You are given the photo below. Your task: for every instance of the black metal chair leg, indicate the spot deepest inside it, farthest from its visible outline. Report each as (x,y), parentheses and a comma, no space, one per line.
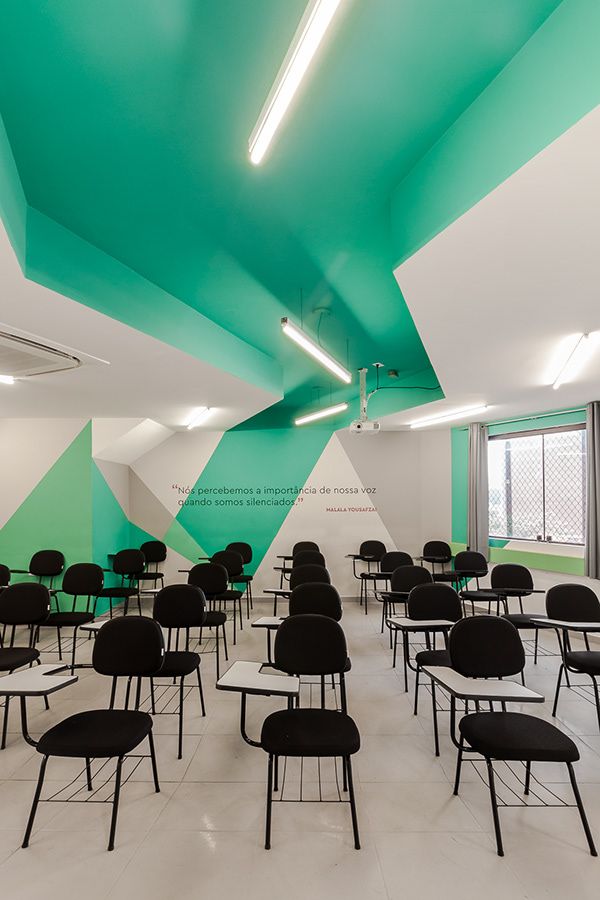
(276,773)
(73,651)
(5,722)
(459,758)
(115,809)
(436,737)
(582,814)
(234,624)
(560,672)
(527,777)
(352,804)
(59,643)
(416,707)
(225,643)
(218,661)
(395,647)
(269,803)
(535,646)
(180,742)
(36,800)
(153,762)
(405,659)
(201,691)
(597,698)
(490,768)
(88,774)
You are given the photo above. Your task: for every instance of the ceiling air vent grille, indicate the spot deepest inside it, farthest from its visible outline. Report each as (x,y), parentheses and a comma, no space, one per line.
(21,357)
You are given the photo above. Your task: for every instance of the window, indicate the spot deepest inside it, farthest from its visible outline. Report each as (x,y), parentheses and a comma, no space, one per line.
(537,485)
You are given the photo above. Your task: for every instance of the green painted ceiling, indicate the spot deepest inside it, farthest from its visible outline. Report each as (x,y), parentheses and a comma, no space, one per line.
(129,121)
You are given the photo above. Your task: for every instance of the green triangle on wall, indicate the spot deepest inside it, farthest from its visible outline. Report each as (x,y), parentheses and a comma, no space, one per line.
(57,514)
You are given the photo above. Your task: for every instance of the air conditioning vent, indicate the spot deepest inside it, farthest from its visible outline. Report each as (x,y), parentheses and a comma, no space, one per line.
(21,357)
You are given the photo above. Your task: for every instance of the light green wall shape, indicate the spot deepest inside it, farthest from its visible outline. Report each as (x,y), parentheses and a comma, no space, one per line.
(57,514)
(111,530)
(460,461)
(178,539)
(546,88)
(13,205)
(246,458)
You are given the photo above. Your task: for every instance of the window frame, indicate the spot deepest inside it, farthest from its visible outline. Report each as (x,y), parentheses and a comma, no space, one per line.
(512,435)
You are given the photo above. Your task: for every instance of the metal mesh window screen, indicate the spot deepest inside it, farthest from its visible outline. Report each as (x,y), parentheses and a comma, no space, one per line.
(537,486)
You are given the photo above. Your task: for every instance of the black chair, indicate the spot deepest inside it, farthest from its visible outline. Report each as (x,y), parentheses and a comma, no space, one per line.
(403,580)
(300,575)
(25,604)
(233,562)
(429,602)
(575,603)
(128,565)
(180,607)
(468,564)
(311,645)
(80,580)
(155,553)
(45,565)
(245,551)
(299,546)
(387,566)
(317,598)
(437,553)
(213,581)
(490,647)
(308,558)
(124,648)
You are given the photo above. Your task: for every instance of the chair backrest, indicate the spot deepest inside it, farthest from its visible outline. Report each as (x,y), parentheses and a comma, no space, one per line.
(210,577)
(129,562)
(130,645)
(304,574)
(394,559)
(180,606)
(313,597)
(434,601)
(231,560)
(308,558)
(83,580)
(375,549)
(310,645)
(299,546)
(486,647)
(244,549)
(47,563)
(573,603)
(4,575)
(470,561)
(27,603)
(154,551)
(405,578)
(437,550)
(511,575)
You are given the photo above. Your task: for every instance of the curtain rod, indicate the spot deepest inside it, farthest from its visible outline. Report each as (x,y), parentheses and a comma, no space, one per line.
(562,412)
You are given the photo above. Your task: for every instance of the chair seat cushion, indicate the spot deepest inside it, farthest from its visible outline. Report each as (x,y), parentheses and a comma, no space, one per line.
(243,579)
(348,665)
(433,658)
(179,662)
(228,595)
(449,577)
(215,618)
(118,592)
(66,619)
(15,657)
(310,732)
(376,576)
(97,733)
(523,620)
(586,661)
(149,576)
(516,736)
(484,594)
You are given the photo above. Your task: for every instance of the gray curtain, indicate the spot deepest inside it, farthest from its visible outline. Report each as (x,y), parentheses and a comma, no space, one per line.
(478,527)
(592,530)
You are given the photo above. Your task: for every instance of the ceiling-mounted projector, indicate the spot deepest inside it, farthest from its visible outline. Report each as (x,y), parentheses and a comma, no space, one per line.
(364,425)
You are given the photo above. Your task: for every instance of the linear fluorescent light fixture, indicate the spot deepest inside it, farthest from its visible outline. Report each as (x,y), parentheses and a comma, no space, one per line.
(312,29)
(199,416)
(321,414)
(576,353)
(7,379)
(461,413)
(309,346)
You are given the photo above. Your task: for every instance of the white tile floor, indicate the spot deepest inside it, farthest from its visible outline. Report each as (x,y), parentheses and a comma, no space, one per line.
(203,834)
